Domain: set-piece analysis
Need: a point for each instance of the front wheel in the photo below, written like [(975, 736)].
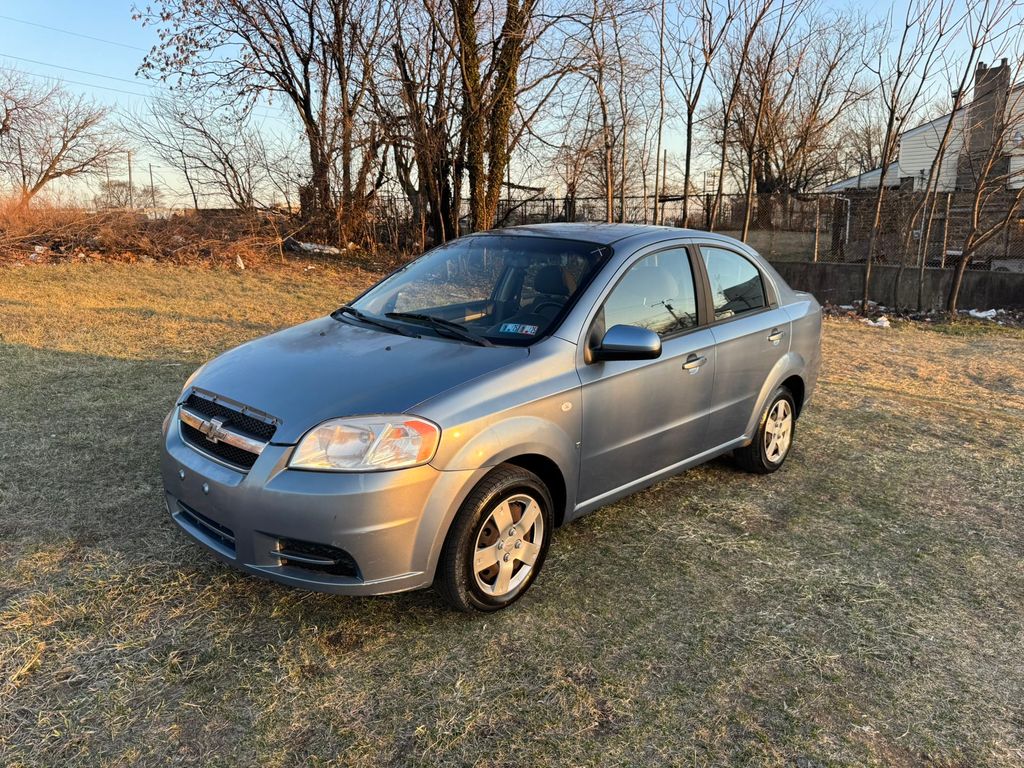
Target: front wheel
[(774, 436), (497, 543)]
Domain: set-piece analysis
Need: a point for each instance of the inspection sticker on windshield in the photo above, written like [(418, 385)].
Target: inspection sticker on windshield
[(520, 328)]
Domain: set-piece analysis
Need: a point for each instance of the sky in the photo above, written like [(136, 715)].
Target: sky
[(106, 43), (99, 59), (93, 47)]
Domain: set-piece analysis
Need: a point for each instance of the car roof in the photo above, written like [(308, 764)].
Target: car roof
[(607, 234), (633, 236)]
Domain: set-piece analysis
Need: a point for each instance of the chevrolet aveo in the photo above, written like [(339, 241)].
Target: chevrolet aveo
[(441, 426)]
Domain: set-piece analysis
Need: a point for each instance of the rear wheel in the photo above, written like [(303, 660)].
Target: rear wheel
[(497, 543), (774, 436)]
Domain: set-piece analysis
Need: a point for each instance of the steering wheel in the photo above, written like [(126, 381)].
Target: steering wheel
[(549, 303)]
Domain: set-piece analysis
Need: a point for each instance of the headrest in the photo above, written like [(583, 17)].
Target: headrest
[(554, 280)]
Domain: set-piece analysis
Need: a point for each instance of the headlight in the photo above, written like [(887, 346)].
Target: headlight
[(367, 443)]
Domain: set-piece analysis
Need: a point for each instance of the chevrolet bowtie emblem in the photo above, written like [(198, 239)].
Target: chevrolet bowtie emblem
[(213, 430)]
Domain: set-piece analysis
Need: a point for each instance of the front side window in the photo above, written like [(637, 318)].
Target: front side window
[(736, 285), (656, 293), (506, 289)]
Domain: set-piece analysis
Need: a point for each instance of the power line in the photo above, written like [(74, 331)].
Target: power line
[(261, 113), (79, 71), (89, 85), (75, 34)]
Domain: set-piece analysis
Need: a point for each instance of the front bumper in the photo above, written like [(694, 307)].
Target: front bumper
[(392, 524)]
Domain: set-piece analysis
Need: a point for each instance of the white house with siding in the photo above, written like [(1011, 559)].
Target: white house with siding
[(919, 146)]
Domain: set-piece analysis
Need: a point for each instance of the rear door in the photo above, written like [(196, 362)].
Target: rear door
[(751, 335), (641, 416)]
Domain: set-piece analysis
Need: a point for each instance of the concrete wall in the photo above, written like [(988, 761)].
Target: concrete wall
[(843, 283)]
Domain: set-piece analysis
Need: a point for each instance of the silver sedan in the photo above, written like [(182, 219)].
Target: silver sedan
[(438, 429)]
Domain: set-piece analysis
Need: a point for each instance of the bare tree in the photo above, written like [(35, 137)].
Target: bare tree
[(862, 136), (47, 134), (490, 89), (751, 15), (701, 29), (801, 97), (21, 100), (616, 65), (771, 45), (662, 21), (316, 54), (981, 22), (215, 149), (903, 67), (117, 193), (417, 102)]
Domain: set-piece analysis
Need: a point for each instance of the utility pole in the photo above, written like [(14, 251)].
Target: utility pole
[(21, 167), (131, 193), (152, 189), (817, 221), (664, 173), (661, 109)]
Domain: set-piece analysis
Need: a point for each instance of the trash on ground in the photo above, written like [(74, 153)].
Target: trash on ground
[(298, 246)]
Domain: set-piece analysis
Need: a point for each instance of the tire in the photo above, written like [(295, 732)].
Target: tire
[(764, 456), (506, 495)]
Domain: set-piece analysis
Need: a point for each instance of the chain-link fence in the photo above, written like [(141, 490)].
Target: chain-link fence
[(818, 227), (915, 229)]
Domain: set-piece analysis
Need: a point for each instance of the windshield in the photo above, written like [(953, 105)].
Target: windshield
[(503, 289)]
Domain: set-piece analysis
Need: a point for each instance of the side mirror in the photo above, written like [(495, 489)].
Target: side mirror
[(628, 342)]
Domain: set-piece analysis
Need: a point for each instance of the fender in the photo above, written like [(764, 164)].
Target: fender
[(790, 364), (518, 435), (495, 444)]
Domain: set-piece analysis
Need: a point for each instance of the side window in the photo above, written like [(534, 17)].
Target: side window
[(657, 293), (736, 285)]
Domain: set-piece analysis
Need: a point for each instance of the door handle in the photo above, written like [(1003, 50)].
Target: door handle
[(775, 336), (693, 362)]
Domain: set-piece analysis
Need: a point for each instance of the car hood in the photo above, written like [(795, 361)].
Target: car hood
[(327, 368)]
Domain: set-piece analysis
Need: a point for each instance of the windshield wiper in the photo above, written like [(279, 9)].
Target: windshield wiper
[(365, 318), (442, 326)]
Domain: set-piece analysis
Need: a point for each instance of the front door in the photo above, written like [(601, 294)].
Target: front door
[(642, 416)]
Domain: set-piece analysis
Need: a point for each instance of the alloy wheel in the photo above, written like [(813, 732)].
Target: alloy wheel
[(508, 545), (778, 431)]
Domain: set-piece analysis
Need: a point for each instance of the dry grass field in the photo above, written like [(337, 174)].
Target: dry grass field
[(864, 606)]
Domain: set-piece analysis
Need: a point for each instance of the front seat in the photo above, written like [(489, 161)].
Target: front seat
[(553, 285)]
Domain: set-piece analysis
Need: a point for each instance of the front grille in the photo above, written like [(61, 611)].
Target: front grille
[(205, 525), (229, 453), (317, 557), (238, 421)]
